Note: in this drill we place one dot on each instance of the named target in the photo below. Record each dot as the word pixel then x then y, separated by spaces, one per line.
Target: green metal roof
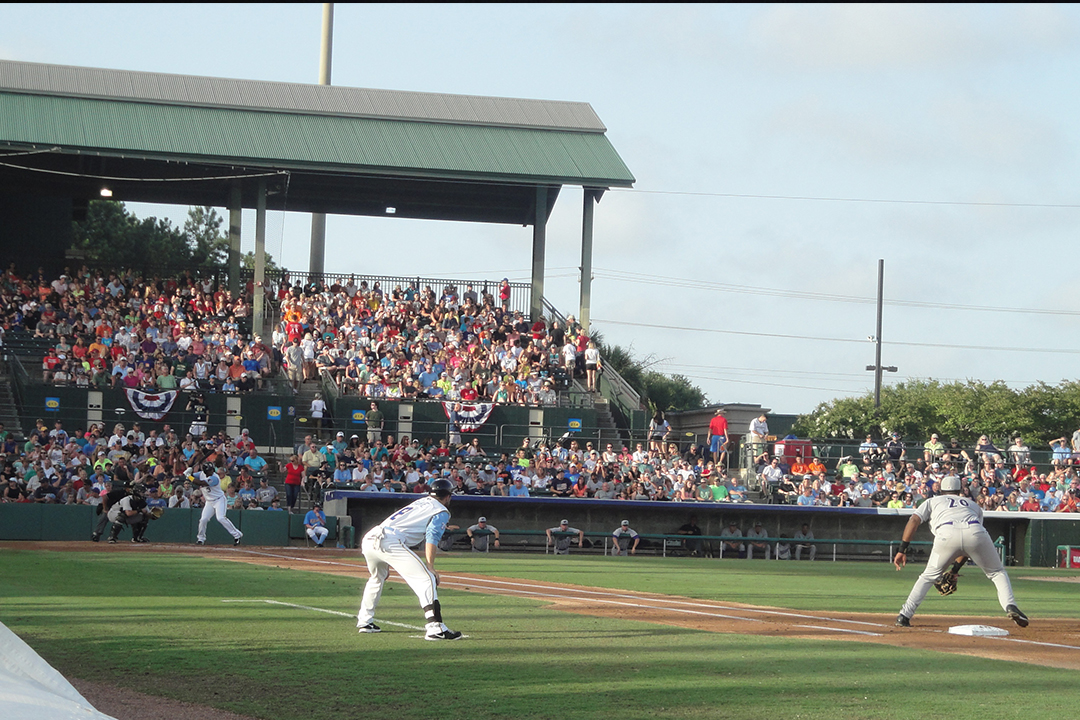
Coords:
pixel 351 144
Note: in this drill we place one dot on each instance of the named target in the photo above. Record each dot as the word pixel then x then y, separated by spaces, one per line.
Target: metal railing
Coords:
pixel 610 383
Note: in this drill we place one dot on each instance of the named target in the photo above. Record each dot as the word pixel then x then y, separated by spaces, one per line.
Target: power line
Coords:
pixel 821 198
pixel 991 348
pixel 666 281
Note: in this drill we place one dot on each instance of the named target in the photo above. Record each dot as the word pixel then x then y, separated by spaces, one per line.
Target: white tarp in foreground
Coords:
pixel 30 689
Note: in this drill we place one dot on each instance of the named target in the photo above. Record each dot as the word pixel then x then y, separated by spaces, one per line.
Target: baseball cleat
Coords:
pixel 447 634
pixel 237 540
pixel 96 537
pixel 112 541
pixel 200 542
pixel 369 628
pixel 1017 616
pixel 903 621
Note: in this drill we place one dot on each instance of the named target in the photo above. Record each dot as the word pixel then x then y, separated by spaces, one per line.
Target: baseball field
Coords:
pixel 269 633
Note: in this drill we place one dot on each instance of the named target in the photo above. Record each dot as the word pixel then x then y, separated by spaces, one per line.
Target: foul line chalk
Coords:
pixel 316 609
pixel 668 603
pixel 843 630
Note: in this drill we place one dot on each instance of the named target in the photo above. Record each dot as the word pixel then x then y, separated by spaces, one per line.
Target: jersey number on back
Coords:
pixel 401 513
pixel 954 501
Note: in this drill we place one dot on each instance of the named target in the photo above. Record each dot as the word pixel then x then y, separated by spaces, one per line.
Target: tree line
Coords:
pixel 1039 413
pixel 111 235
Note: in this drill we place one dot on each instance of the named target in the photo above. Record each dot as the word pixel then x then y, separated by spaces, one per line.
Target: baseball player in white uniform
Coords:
pixel 958 530
pixel 215 504
pixel 387 545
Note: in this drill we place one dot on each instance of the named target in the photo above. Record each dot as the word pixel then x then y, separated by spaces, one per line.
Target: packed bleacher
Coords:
pixel 411 342
pixel 125 330
pixel 122 329
pixel 891 474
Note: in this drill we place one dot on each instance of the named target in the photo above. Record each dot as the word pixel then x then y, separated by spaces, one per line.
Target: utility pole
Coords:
pixel 317 252
pixel 876 367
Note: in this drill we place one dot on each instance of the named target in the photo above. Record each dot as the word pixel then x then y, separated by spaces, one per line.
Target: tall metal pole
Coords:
pixel 877 353
pixel 317 253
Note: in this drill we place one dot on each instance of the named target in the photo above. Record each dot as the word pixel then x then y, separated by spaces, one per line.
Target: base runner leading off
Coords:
pixel 958 530
pixel 387 545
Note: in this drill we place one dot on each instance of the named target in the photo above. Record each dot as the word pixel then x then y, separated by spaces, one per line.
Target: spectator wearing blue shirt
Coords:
pixel 342 474
pixel 518 489
pixel 255 464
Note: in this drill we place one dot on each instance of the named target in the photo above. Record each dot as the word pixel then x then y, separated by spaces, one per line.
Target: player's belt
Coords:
pixel 960 522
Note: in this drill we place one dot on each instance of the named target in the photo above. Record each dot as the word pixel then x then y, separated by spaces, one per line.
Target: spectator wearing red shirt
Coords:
pixel 718 440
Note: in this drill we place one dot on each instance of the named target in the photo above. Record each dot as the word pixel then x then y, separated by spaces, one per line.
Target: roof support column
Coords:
pixel 317 253
pixel 536 297
pixel 235 221
pixel 258 316
pixel 591 198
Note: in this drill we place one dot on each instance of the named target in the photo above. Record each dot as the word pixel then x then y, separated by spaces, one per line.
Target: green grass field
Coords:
pixel 157 624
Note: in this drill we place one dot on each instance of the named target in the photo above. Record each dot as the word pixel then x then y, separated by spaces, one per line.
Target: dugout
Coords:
pixel 1028 538
pixel 69 134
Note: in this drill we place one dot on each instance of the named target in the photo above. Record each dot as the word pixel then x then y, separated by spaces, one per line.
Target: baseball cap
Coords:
pixel 341 434
pixel 483 519
pixel 564 522
pixel 626 523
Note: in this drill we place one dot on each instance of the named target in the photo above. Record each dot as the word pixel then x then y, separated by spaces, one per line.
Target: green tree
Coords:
pixel 657 390
pixel 964 410
pixel 111 235
pixel 206 243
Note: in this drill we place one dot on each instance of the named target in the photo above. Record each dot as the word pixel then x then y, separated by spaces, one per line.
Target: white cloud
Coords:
pixel 887 36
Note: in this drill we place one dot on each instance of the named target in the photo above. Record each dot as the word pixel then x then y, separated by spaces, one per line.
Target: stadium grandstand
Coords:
pixel 322 382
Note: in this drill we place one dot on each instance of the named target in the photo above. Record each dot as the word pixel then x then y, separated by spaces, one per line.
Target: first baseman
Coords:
pixel 387 546
pixel 957 526
pixel 214 496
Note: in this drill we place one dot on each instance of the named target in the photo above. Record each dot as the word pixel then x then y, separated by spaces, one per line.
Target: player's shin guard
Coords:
pixel 114 534
pixel 433 613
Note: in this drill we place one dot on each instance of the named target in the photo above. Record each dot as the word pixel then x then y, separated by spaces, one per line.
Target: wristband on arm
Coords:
pixel 904 547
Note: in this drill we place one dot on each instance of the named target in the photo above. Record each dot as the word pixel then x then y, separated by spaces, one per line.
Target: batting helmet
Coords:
pixel 950 483
pixel 208 469
pixel 441 488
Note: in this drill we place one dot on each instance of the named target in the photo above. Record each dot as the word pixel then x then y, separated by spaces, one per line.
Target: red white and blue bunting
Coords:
pixel 468 417
pixel 151 406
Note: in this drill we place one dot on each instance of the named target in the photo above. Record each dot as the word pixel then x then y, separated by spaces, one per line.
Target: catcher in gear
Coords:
pixel 131 511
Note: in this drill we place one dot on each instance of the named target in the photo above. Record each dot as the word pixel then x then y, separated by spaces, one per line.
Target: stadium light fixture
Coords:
pixel 391 211
pixel 106 192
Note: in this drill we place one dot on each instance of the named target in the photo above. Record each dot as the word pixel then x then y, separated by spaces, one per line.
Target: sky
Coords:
pixel 780 151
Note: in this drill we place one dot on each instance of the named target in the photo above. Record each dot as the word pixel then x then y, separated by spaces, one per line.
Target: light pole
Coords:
pixel 876 367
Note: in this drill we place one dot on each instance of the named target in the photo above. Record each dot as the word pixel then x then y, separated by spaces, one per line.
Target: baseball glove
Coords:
pixel 157 512
pixel 947 584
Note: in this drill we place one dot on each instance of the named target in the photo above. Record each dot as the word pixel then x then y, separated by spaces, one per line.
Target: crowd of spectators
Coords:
pixel 411 342
pixel 55 467
pixel 572 469
pixel 892 475
pixel 124 330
